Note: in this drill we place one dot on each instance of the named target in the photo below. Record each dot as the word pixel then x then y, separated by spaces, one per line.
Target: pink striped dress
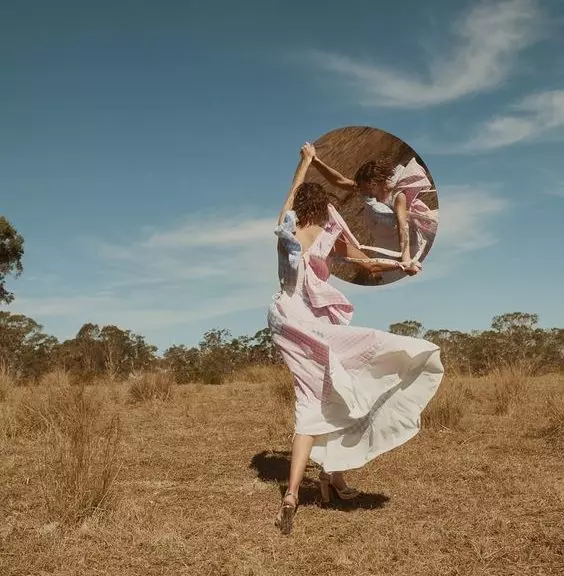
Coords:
pixel 359 391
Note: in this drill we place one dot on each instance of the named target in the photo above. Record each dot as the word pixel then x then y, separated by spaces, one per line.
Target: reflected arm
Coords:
pixel 334 177
pixel 400 207
pixel 346 250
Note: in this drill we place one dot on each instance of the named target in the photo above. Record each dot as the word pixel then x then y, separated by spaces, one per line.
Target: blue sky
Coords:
pixel 146 148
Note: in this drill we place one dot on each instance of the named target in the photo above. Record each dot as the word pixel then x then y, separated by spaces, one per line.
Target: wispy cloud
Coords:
pixel 209 266
pixel 183 275
pixel 467 219
pixel 213 232
pixel 556 190
pixel 533 118
pixel 468 223
pixel 486 42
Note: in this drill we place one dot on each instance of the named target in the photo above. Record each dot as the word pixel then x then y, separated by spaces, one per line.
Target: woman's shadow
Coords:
pixel 274 466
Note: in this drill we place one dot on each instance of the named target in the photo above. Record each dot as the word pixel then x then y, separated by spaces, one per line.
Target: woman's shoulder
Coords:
pixel 287 223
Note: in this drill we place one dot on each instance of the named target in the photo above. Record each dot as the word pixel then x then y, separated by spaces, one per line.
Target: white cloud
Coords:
pixel 468 223
pixel 205 268
pixel 532 118
pixel 213 232
pixel 487 41
pixel 467 219
pixel 150 286
pixel 556 190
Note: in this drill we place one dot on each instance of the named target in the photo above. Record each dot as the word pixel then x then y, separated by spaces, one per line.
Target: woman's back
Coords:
pixel 307 236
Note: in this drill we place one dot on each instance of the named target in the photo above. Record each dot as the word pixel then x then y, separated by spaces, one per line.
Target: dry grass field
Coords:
pixel 345 149
pixel 147 478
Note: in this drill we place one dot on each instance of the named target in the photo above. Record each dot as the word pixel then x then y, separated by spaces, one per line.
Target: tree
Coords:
pixel 263 350
pixel 517 333
pixel 515 321
pixel 11 253
pixel 407 328
pixel 108 350
pixel 24 349
pixel 184 364
pixel 216 356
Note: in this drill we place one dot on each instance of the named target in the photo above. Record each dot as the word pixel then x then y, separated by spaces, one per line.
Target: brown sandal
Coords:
pixel 286 513
pixel 326 486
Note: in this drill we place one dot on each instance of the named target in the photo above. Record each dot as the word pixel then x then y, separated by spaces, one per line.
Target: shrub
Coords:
pixel 81 456
pixel 510 384
pixel 150 386
pixel 446 408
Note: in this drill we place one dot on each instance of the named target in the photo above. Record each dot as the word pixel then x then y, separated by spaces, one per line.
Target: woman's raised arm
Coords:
pixel 306 157
pixel 333 176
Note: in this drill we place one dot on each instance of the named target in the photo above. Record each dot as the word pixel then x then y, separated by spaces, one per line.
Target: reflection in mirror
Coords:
pixel 385 194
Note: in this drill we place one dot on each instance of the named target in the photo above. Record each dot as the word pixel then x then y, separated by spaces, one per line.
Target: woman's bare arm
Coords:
pixel 334 177
pixel 400 208
pixel 299 175
pixel 374 265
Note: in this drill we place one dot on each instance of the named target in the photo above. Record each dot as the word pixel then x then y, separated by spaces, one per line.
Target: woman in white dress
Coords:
pixel 359 391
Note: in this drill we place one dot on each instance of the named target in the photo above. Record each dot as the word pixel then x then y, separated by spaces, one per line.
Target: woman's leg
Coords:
pixel 301 449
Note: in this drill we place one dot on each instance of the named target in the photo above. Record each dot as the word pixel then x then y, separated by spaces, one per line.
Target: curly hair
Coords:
pixel 379 171
pixel 311 204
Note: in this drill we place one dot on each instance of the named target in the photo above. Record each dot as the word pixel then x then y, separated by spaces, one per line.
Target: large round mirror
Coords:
pixel 386 195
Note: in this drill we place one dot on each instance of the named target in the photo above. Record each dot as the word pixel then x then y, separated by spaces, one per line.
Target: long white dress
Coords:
pixel 359 391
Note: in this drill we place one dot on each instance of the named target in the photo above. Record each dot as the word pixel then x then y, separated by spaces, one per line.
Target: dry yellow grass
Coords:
pixel 150 386
pixel 510 386
pixel 6 383
pixel 447 408
pixel 77 442
pixel 56 378
pixel 81 455
pixel 201 477
pixel 554 410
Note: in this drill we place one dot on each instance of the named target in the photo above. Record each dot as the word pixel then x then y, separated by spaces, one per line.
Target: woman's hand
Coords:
pixel 307 152
pixel 410 268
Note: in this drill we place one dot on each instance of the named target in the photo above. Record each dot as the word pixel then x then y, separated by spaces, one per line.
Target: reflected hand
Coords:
pixel 411 268
pixel 373 269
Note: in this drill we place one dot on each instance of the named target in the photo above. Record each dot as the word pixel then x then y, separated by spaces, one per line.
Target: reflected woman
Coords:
pixel 389 193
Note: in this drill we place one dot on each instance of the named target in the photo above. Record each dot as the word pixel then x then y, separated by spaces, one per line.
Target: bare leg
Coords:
pixel 301 449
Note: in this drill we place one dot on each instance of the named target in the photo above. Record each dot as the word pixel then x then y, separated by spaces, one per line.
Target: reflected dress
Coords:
pixel 380 216
pixel 359 391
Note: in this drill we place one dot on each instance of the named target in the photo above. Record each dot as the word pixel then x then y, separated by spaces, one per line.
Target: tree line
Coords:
pixel 109 351
pixel 28 353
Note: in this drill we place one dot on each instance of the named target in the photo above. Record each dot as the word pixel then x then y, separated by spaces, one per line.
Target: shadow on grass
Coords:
pixel 274 466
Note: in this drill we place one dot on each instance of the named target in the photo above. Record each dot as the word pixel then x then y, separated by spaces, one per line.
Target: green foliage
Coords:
pixel 183 363
pixel 11 253
pixel 218 356
pixel 514 339
pixel 407 328
pixel 107 351
pixel 26 353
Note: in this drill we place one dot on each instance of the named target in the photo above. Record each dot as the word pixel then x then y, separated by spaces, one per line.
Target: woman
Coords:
pixel 359 392
pixel 390 196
